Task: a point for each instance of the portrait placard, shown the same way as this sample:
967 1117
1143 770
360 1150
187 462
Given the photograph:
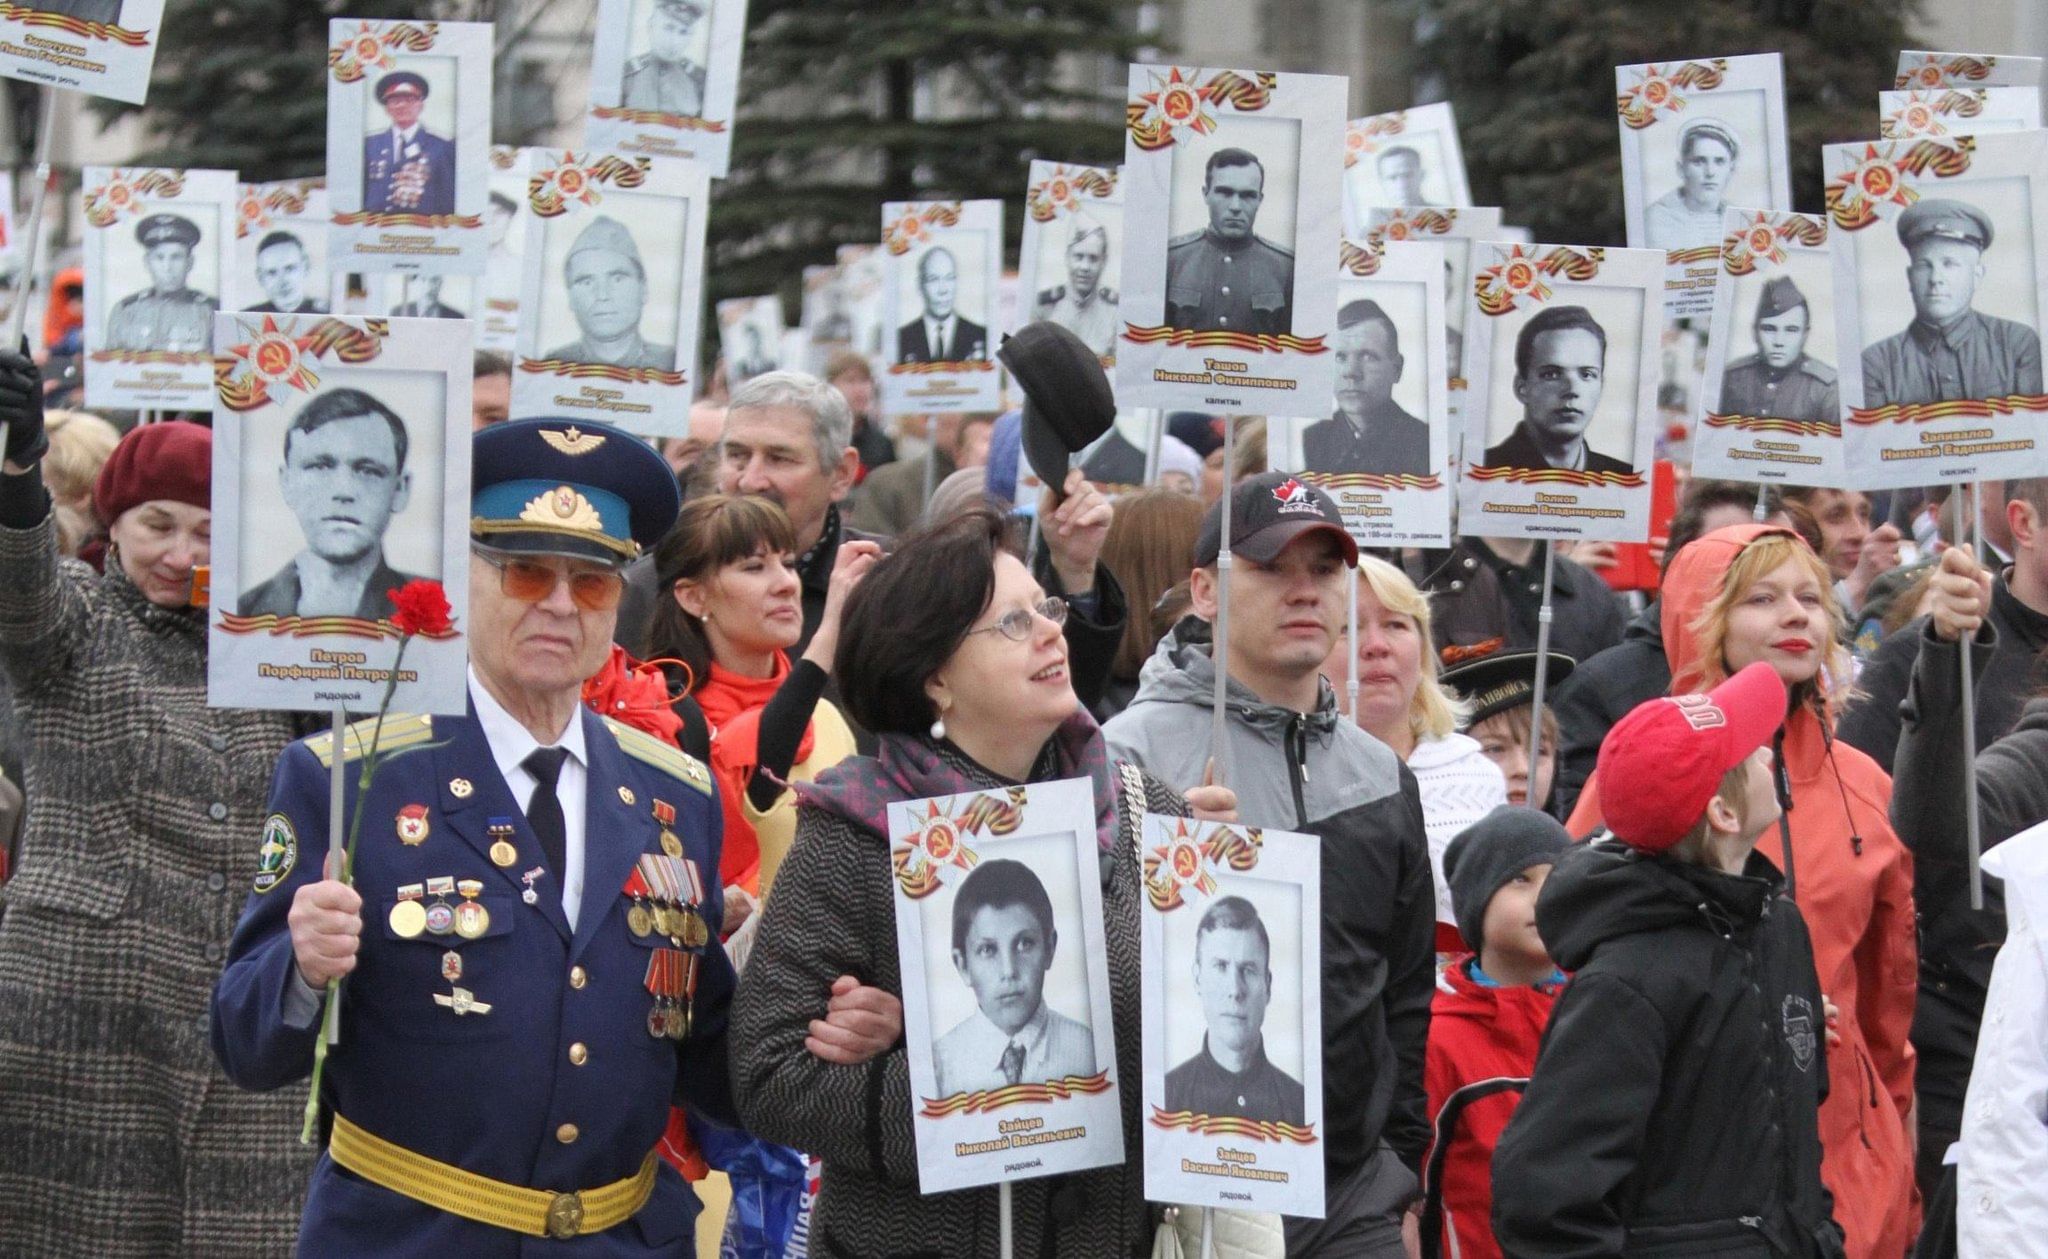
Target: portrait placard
1956 111
1770 402
1072 258
281 250
158 247
664 76
1919 68
1233 1017
614 258
1408 159
1562 347
1384 454
861 279
750 337
1006 1000
1696 138
1457 229
408 145
1232 307
826 321
357 430
941 263
1937 249
102 47
497 319
422 296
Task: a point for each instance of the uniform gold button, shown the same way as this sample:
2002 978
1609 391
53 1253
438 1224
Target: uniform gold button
578 977
567 1134
578 1055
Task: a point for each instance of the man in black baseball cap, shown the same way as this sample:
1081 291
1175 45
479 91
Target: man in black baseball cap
1296 763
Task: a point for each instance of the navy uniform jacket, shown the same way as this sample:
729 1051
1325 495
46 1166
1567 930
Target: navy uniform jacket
434 154
1237 286
490 1093
1803 391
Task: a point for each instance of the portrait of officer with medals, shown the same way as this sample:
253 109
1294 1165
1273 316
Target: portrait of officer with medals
1233 978
606 283
168 315
1950 350
512 1031
667 79
1781 380
1084 305
407 169
1227 276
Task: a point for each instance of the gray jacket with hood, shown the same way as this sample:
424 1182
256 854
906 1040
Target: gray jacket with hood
1316 773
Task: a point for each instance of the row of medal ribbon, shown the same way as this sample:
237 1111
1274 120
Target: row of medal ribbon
672 978
666 892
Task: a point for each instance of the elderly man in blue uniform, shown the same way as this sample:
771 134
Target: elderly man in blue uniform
1227 276
1781 381
1951 350
169 314
407 169
531 941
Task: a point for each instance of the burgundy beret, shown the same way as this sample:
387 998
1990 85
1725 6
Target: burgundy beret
170 461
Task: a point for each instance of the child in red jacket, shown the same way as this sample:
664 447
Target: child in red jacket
1487 1020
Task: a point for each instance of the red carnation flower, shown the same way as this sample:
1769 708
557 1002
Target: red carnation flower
422 608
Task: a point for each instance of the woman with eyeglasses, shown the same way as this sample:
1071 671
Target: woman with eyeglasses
734 611
951 653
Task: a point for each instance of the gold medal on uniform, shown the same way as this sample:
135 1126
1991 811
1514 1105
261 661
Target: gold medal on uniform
472 920
408 917
638 920
671 843
412 825
503 854
440 914
696 933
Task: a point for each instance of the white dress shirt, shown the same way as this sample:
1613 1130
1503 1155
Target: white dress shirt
399 139
938 336
511 743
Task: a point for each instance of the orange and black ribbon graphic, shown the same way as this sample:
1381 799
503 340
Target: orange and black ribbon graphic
982 1101
1640 104
601 371
1218 339
1558 476
304 626
1233 1126
1771 424
29 15
1952 409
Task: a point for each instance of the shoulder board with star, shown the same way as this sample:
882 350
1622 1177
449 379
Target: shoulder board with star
664 756
401 730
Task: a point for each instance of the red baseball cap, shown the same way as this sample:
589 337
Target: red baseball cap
1661 764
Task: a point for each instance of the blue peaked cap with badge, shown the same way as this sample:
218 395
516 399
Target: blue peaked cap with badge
565 487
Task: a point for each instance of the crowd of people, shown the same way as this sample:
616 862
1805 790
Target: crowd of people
1683 963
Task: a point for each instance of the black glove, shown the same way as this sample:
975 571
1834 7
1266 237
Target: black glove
21 408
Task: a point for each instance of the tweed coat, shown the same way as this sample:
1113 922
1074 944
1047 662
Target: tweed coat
121 1135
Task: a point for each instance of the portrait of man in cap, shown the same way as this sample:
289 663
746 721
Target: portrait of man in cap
1780 381
1004 940
607 286
1400 172
426 302
168 315
665 79
1690 214
1560 372
941 334
1370 432
1083 305
1233 978
282 269
343 471
406 168
1227 276
1950 350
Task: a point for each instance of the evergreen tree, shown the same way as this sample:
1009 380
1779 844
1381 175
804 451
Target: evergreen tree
846 104
1533 84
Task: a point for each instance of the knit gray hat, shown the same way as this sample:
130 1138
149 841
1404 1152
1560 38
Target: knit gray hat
1486 854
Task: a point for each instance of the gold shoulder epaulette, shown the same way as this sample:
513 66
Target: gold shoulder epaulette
664 756
401 730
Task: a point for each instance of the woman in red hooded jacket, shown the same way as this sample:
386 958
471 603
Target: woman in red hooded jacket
1757 592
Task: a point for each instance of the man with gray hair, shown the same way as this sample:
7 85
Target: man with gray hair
941 334
607 286
1084 305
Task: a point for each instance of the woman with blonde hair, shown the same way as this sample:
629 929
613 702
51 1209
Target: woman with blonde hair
1401 703
1749 593
80 443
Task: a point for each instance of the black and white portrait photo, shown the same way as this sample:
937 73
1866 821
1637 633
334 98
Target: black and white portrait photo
1696 138
666 75
1082 295
429 297
409 157
1560 376
951 322
1789 374
343 473
750 336
285 272
160 257
175 310
1232 977
1232 267
1371 431
1688 214
604 279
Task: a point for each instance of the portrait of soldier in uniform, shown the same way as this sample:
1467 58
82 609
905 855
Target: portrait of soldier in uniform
607 285
1950 350
1003 943
1690 214
664 79
1400 171
1226 276
1083 305
168 315
1780 381
343 473
427 303
407 169
941 334
282 266
1560 371
1370 432
1230 1075
751 359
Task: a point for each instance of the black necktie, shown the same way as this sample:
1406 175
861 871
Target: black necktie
544 811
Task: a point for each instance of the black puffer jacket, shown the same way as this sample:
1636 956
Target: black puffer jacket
1672 1110
1599 693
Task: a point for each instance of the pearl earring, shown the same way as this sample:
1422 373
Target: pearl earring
939 729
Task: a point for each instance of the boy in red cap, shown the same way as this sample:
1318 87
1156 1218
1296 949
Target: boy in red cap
1673 1107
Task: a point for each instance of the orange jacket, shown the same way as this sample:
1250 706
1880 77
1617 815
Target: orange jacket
1854 886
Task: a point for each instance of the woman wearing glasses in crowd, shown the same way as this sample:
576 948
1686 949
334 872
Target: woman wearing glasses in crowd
735 611
143 805
952 655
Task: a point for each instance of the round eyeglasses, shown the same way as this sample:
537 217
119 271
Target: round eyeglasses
1015 624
